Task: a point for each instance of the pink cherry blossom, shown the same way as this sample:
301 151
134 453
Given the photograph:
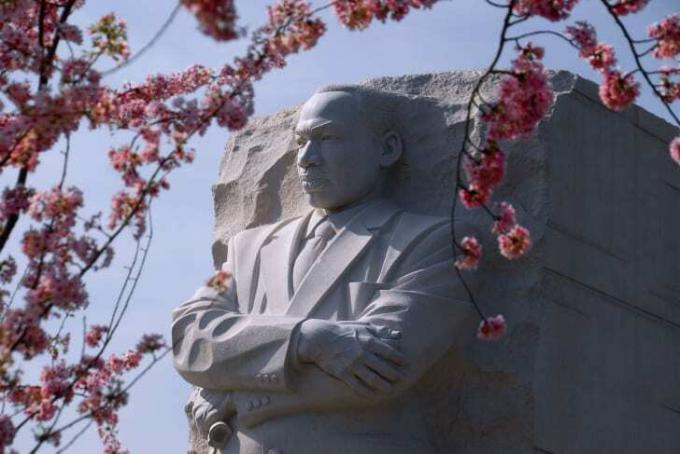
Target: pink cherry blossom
675 150
94 335
524 97
485 171
584 36
358 14
109 36
667 35
618 91
668 87
217 18
474 195
472 252
7 432
505 219
8 268
602 57
150 343
623 7
492 328
219 281
553 10
14 201
514 243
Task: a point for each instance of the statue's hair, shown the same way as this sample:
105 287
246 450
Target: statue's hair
378 108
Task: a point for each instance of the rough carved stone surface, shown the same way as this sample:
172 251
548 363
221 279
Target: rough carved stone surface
589 363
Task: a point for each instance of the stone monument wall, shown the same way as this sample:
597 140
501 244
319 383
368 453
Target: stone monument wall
590 363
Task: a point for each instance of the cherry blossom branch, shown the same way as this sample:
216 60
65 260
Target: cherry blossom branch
161 31
542 32
12 219
90 415
75 438
638 62
52 51
462 150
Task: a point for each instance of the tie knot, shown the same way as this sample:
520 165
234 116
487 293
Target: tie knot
323 229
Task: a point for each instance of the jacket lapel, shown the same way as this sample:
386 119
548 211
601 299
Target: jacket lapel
276 264
341 252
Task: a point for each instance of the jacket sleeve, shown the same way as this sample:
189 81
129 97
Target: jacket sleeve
217 346
423 300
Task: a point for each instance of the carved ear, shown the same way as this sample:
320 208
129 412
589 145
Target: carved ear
392 148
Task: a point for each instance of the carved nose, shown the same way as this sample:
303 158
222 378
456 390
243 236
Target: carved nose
308 155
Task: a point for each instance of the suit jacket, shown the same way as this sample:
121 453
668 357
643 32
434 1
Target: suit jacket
387 267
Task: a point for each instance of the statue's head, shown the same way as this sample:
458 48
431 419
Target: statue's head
348 138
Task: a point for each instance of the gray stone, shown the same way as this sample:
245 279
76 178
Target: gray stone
589 363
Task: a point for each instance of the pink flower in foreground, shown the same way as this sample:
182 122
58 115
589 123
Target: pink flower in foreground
150 343
7 432
505 219
524 97
675 150
667 35
472 251
602 57
670 89
217 18
358 14
618 92
8 268
486 172
553 10
474 195
219 281
492 328
584 35
94 335
514 243
623 7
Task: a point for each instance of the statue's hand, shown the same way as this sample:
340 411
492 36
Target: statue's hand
209 407
359 354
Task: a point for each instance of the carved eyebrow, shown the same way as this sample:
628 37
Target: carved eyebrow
308 130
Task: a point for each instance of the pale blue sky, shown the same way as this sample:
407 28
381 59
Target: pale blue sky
458 34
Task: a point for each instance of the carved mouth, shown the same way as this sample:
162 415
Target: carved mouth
312 184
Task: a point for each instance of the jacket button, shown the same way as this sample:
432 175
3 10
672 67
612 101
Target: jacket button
251 405
274 378
264 400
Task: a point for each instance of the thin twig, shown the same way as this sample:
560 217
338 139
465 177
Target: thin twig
148 45
542 32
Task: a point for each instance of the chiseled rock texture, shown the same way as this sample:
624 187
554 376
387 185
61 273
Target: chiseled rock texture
591 362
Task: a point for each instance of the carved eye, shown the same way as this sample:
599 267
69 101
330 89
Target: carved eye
300 140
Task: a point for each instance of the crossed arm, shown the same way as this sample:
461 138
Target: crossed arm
404 330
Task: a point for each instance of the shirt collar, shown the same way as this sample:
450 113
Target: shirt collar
337 219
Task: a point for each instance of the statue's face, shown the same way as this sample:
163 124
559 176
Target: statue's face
339 156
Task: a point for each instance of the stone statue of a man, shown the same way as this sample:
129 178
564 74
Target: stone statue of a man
330 321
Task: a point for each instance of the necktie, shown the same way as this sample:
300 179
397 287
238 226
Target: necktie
316 242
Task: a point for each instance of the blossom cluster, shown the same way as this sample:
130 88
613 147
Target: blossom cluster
553 10
667 36
45 97
623 7
358 14
524 96
97 383
491 328
217 18
617 90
